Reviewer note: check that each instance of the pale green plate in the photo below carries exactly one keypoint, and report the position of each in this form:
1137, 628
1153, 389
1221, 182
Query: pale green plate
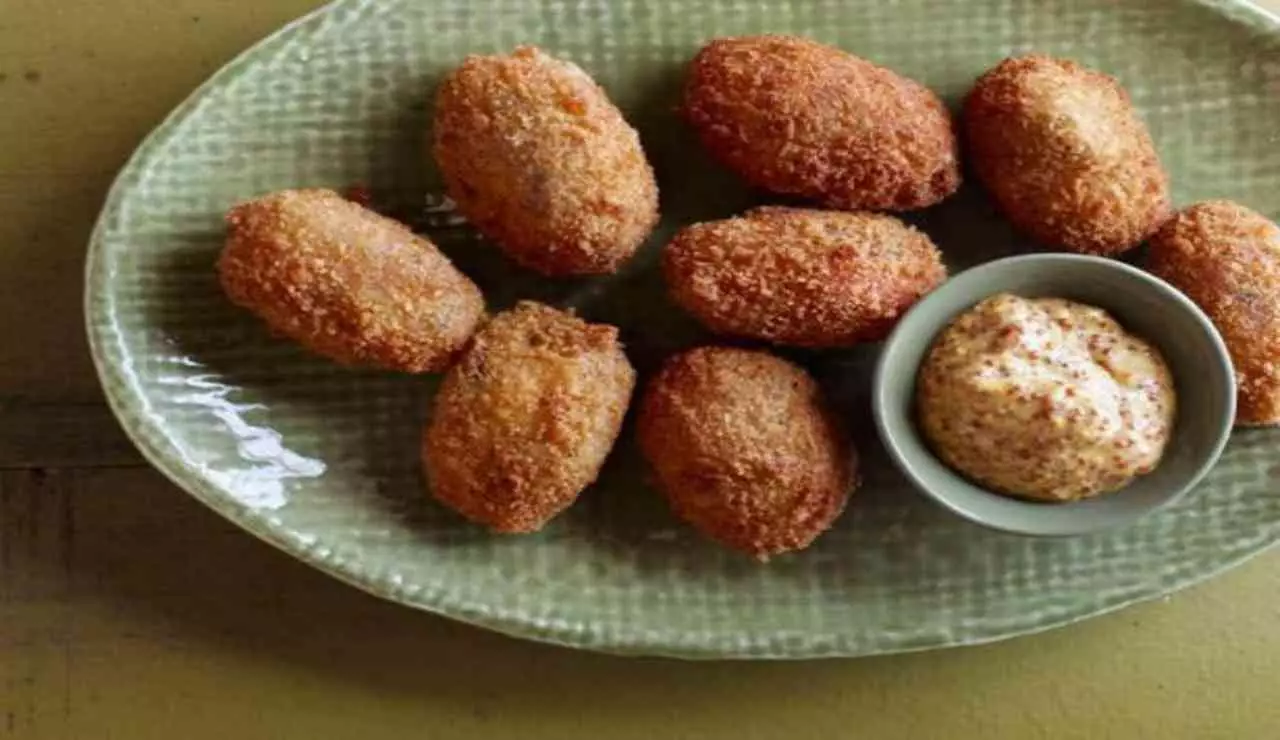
322, 462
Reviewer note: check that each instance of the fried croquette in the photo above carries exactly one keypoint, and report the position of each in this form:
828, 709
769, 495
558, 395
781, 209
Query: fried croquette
346, 282
1226, 258
801, 118
801, 277
525, 420
540, 161
745, 450
1065, 155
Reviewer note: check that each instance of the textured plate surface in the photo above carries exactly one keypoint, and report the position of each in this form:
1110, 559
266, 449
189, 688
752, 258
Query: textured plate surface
323, 463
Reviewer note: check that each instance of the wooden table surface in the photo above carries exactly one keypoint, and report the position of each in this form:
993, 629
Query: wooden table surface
127, 610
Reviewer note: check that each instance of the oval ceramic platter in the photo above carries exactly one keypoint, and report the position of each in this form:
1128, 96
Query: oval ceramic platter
323, 462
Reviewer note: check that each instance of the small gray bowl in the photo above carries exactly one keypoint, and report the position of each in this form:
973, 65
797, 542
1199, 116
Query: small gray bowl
1147, 306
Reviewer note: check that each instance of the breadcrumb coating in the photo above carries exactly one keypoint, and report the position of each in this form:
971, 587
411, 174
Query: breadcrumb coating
346, 282
794, 116
1065, 155
801, 277
1226, 258
527, 417
541, 162
745, 449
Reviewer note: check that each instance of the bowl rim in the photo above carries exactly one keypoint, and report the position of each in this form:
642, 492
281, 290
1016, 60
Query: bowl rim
958, 282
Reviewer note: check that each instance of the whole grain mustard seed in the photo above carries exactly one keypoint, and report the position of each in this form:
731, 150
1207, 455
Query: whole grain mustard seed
1045, 399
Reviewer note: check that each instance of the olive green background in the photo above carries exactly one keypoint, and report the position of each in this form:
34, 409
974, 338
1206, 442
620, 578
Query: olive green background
126, 610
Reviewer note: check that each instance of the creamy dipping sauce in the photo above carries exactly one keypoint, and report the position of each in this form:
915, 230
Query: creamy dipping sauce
1045, 398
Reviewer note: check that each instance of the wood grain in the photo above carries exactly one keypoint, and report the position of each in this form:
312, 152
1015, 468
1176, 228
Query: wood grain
129, 611
62, 434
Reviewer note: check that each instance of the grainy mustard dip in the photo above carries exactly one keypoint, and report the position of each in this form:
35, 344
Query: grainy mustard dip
1045, 399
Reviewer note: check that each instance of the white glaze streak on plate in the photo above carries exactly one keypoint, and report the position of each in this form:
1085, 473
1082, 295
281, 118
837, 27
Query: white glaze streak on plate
341, 97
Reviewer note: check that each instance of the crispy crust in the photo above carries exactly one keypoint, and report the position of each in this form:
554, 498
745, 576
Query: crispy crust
1226, 258
801, 277
798, 117
346, 282
541, 162
745, 449
525, 420
1065, 155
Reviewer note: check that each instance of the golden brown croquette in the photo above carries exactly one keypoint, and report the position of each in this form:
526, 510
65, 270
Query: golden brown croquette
794, 116
541, 162
346, 282
801, 277
745, 450
1065, 155
1226, 258
525, 420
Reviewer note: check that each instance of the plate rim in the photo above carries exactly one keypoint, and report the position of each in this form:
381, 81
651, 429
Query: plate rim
728, 644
